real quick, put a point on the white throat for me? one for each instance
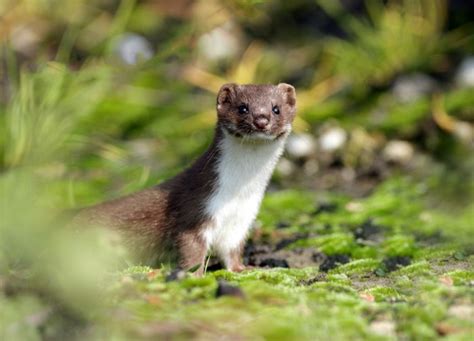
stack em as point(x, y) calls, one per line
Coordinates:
point(243, 172)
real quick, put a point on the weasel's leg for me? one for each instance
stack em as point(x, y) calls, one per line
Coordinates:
point(192, 251)
point(233, 259)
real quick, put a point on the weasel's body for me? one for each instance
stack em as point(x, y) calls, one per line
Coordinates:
point(213, 203)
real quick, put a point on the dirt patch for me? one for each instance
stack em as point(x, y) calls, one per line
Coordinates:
point(450, 264)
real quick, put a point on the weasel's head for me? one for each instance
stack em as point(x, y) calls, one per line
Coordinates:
point(256, 112)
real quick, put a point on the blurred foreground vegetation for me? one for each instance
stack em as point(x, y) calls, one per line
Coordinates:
point(371, 207)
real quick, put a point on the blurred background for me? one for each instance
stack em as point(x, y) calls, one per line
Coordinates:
point(100, 98)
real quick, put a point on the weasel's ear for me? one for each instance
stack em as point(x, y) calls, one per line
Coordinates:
point(289, 93)
point(225, 95)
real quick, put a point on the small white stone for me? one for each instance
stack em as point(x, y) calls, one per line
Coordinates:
point(398, 151)
point(464, 131)
point(143, 148)
point(465, 72)
point(285, 167)
point(311, 167)
point(354, 206)
point(132, 48)
point(220, 43)
point(408, 88)
point(348, 174)
point(383, 328)
point(333, 139)
point(462, 311)
point(300, 146)
point(25, 39)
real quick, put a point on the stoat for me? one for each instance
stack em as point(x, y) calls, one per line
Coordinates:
point(212, 204)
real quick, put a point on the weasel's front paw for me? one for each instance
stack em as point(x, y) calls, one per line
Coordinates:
point(237, 268)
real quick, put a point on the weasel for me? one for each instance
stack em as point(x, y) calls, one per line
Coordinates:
point(212, 204)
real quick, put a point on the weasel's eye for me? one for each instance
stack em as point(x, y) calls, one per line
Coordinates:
point(276, 110)
point(243, 109)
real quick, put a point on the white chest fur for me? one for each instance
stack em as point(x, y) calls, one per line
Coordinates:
point(243, 173)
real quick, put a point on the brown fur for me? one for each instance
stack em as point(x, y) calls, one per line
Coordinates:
point(257, 98)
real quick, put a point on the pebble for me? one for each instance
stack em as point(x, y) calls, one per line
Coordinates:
point(176, 275)
point(274, 263)
point(383, 328)
point(398, 151)
point(333, 139)
point(282, 225)
point(226, 289)
point(462, 311)
point(132, 48)
point(396, 262)
point(354, 206)
point(285, 167)
point(311, 168)
point(464, 131)
point(408, 88)
point(333, 261)
point(144, 149)
point(465, 73)
point(300, 146)
point(26, 38)
point(325, 207)
point(367, 230)
point(220, 43)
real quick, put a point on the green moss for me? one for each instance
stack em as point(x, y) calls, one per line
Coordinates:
point(462, 277)
point(295, 204)
point(357, 267)
point(415, 269)
point(399, 245)
point(386, 294)
point(335, 243)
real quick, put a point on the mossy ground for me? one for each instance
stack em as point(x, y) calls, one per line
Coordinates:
point(79, 125)
point(408, 277)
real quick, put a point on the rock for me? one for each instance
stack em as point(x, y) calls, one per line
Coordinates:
point(333, 261)
point(252, 252)
point(464, 131)
point(26, 38)
point(398, 151)
point(408, 88)
point(132, 48)
point(383, 328)
point(300, 146)
point(285, 167)
point(332, 139)
point(282, 225)
point(325, 207)
point(220, 43)
point(143, 149)
point(397, 262)
point(462, 311)
point(445, 329)
point(354, 206)
point(367, 230)
point(283, 243)
point(274, 263)
point(310, 167)
point(176, 275)
point(226, 289)
point(465, 73)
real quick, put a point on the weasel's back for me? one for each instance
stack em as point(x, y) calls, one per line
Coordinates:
point(137, 211)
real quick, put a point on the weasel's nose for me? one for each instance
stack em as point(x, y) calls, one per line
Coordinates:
point(261, 122)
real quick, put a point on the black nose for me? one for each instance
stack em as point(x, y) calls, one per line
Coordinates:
point(261, 122)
